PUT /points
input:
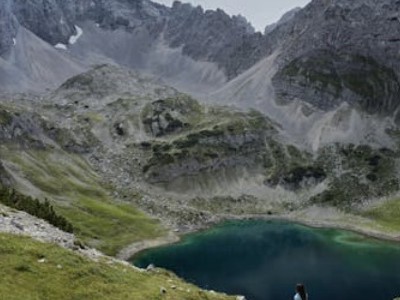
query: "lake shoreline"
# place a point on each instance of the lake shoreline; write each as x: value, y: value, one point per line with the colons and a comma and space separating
x: 176, y: 235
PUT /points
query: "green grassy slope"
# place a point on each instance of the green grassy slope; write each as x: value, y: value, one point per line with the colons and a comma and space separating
x: 65, y: 275
x: 386, y: 215
x: 78, y: 194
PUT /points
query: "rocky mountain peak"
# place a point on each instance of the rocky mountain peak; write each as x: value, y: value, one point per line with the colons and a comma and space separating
x: 284, y: 19
x: 213, y: 45
x: 206, y: 35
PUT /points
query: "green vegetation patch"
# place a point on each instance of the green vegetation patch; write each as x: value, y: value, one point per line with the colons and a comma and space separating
x: 387, y: 215
x: 290, y: 166
x: 209, y: 143
x: 364, y: 173
x: 34, y: 207
x: 109, y: 226
x: 5, y: 117
x: 77, y: 194
x: 30, y: 270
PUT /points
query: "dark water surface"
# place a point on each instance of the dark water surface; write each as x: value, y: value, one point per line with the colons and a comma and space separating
x: 264, y: 260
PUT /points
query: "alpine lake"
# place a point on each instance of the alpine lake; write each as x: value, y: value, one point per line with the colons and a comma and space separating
x: 263, y: 260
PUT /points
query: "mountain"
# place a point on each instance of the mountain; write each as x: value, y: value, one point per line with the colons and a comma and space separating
x: 347, y: 52
x: 334, y: 60
x: 134, y: 118
x: 324, y: 75
x: 191, y: 45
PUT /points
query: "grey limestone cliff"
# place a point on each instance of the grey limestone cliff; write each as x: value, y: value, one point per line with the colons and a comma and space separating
x: 337, y: 51
x: 204, y: 35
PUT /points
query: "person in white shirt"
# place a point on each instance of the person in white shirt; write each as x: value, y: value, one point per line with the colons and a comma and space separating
x: 300, y: 293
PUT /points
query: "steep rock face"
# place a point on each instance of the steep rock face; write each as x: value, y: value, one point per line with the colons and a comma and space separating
x: 210, y: 36
x: 22, y: 129
x: 213, y: 142
x: 29, y: 131
x: 366, y: 28
x: 171, y: 43
x: 130, y: 15
x: 207, y: 35
x: 8, y: 27
x: 327, y: 73
x: 204, y: 152
x: 51, y: 20
x: 326, y: 78
x: 54, y: 21
x: 354, y: 34
x: 346, y: 50
x: 284, y: 19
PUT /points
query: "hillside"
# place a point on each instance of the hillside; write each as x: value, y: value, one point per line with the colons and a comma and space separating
x: 109, y: 141
x: 47, y: 271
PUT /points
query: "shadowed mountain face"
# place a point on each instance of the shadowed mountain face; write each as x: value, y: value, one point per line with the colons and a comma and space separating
x: 343, y: 51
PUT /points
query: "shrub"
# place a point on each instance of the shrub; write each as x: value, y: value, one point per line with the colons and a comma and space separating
x: 34, y: 207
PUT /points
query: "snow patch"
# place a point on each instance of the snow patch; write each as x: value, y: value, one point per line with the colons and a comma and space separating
x: 61, y: 46
x: 74, y: 38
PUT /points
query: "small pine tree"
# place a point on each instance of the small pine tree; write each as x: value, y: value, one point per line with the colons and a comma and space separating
x: 43, y: 210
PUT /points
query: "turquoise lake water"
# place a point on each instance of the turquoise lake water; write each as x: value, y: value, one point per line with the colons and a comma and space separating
x: 264, y: 260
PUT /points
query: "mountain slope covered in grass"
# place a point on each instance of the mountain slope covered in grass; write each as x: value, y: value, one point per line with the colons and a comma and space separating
x: 34, y: 270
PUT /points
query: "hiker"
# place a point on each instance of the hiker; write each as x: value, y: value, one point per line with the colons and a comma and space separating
x: 300, y: 293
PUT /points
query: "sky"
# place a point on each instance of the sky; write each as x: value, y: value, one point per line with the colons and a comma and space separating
x: 259, y: 12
